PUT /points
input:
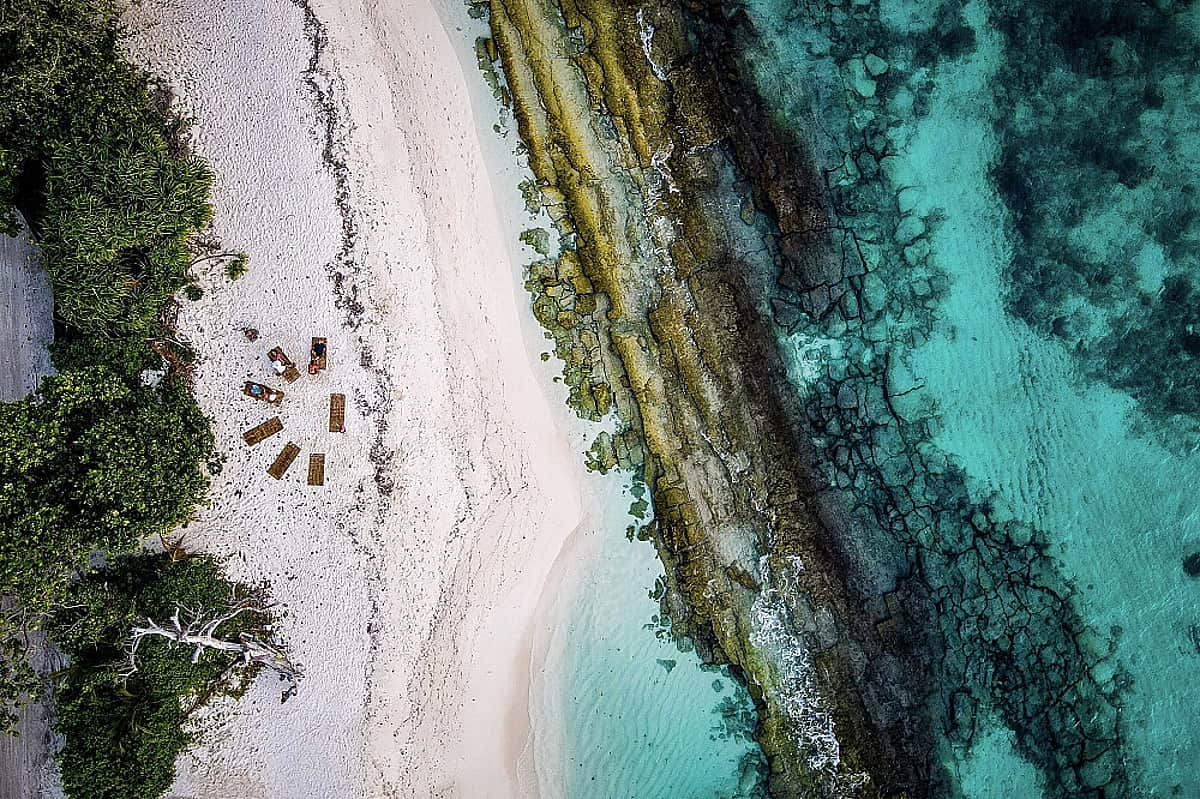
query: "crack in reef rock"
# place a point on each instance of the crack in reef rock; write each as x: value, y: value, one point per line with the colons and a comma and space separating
x: 633, y: 169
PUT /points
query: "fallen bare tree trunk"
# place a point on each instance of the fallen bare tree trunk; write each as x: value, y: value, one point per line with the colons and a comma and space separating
x: 200, y: 632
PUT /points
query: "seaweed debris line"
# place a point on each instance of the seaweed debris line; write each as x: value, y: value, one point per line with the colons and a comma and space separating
x: 344, y: 138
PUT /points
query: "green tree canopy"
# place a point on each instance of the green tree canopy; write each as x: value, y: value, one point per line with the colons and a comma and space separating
x: 89, y: 154
x: 114, y: 231
x: 91, y: 462
x: 124, y: 731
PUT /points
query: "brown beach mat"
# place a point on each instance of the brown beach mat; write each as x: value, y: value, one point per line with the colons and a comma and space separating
x: 318, y: 355
x: 337, y: 412
x: 283, y: 461
x: 290, y: 372
x: 262, y: 432
x: 316, y: 469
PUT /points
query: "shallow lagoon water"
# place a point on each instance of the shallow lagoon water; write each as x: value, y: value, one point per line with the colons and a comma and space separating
x: 1048, y: 392
x: 620, y: 711
x: 1062, y: 449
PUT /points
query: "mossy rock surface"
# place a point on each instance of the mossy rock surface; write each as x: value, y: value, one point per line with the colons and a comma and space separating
x: 653, y: 320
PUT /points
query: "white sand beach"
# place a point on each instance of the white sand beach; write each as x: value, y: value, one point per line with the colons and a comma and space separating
x: 348, y: 166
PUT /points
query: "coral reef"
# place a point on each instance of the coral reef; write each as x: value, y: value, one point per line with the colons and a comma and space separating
x: 654, y: 302
x: 812, y: 535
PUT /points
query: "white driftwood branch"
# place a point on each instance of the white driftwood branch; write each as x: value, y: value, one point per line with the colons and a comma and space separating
x: 200, y: 631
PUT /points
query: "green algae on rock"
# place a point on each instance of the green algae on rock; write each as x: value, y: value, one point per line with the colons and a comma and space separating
x: 762, y: 294
x: 619, y: 120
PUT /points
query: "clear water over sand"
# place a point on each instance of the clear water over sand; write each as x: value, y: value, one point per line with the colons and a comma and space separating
x: 620, y: 712
x: 1035, y: 260
x: 1069, y: 453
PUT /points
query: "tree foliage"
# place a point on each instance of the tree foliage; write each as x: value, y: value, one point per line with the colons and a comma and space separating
x: 89, y: 155
x: 114, y: 229
x: 124, y: 731
x: 96, y: 460
x: 89, y: 462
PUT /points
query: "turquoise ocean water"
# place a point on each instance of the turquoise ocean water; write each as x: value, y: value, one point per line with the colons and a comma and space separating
x: 1021, y: 182
x: 620, y: 711
x: 1017, y: 185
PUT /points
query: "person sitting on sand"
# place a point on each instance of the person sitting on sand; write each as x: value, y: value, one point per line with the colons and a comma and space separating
x: 315, y: 354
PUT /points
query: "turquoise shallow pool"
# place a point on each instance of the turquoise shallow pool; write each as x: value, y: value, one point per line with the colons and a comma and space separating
x: 1020, y: 180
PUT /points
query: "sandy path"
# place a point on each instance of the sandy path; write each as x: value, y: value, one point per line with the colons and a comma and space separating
x: 410, y: 580
x: 25, y: 331
x: 25, y: 318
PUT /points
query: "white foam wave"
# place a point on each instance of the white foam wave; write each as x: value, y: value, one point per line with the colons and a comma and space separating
x: 647, y: 34
x: 797, y: 692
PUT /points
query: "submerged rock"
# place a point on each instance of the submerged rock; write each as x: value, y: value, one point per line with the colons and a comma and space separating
x: 859, y: 79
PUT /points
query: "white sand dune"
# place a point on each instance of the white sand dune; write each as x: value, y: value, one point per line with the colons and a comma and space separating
x: 352, y: 174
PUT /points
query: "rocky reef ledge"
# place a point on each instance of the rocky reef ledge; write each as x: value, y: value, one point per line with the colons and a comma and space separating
x: 654, y: 305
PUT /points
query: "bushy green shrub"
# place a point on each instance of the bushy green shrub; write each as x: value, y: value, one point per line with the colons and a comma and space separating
x: 237, y: 266
x: 92, y: 462
x: 95, y: 460
x: 113, y: 232
x: 124, y: 731
x: 88, y: 155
